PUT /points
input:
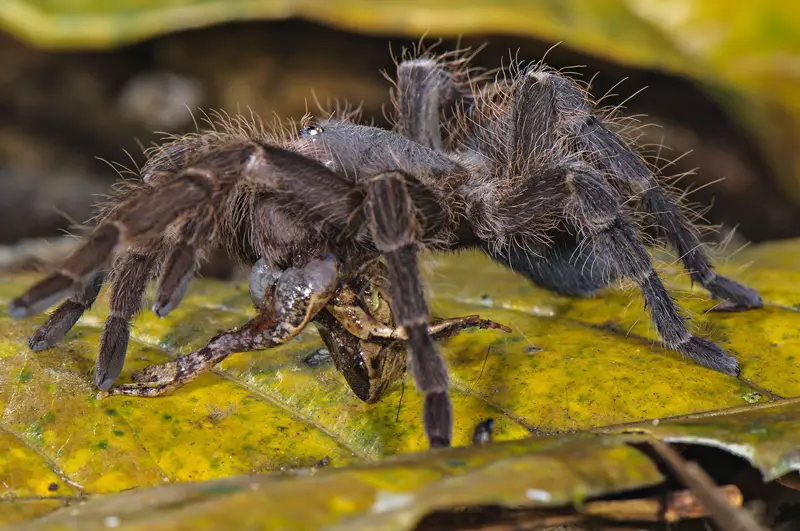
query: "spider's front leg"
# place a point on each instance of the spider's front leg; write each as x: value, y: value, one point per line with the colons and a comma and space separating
x: 170, y: 221
x: 396, y: 229
x: 291, y: 300
x: 629, y: 175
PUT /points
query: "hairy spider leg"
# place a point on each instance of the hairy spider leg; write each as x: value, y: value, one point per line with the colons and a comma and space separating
x: 181, y: 262
x: 395, y: 230
x: 541, y: 121
x: 628, y: 173
x: 177, y: 270
x: 595, y: 207
x: 134, y: 229
x: 424, y: 85
x: 63, y: 318
x: 296, y: 297
x: 565, y: 265
x: 277, y: 176
x: 424, y: 89
x: 132, y: 271
x: 131, y: 274
x: 142, y: 217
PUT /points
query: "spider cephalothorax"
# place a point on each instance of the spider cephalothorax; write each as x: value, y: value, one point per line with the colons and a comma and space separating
x: 528, y: 171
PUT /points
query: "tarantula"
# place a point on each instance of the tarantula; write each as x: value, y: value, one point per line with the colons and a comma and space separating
x: 528, y: 171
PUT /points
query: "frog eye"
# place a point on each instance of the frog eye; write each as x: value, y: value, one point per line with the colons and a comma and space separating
x: 311, y: 131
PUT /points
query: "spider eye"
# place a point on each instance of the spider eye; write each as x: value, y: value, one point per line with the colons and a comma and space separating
x: 311, y: 130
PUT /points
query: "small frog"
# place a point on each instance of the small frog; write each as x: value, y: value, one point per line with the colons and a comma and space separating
x: 352, y: 313
x: 364, y: 344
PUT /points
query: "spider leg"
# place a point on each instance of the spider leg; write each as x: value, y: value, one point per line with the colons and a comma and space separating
x: 171, y: 158
x: 630, y: 175
x: 424, y: 88
x: 179, y: 268
x: 166, y: 162
x: 393, y: 223
x: 140, y: 218
x: 594, y: 206
x: 132, y: 272
x: 181, y: 261
x: 673, y: 226
x: 65, y: 316
x: 296, y: 298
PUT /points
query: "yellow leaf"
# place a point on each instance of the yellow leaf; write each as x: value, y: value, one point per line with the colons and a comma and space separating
x: 570, y: 364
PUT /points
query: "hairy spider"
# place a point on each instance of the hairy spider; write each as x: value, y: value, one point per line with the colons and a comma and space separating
x: 528, y: 171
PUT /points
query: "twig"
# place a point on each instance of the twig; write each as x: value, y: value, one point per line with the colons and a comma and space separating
x: 702, y: 486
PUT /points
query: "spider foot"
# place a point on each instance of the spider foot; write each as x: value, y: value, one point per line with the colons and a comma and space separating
x: 736, y: 296
x: 43, y: 339
x: 708, y: 354
x: 57, y: 325
x: 437, y: 417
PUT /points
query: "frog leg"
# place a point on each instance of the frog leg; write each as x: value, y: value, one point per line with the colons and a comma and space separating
x: 370, y: 354
x: 346, y: 309
x: 290, y: 303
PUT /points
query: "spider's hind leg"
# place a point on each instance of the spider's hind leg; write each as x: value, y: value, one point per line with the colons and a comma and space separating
x: 595, y: 207
x: 628, y: 174
x: 672, y: 226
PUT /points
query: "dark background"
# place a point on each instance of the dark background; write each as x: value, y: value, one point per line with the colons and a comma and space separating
x: 65, y: 116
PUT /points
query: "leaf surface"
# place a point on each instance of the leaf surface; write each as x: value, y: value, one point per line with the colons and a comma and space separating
x: 570, y: 364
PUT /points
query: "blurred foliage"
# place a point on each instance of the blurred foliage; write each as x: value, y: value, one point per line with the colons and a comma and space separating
x: 570, y: 364
x: 745, y: 54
